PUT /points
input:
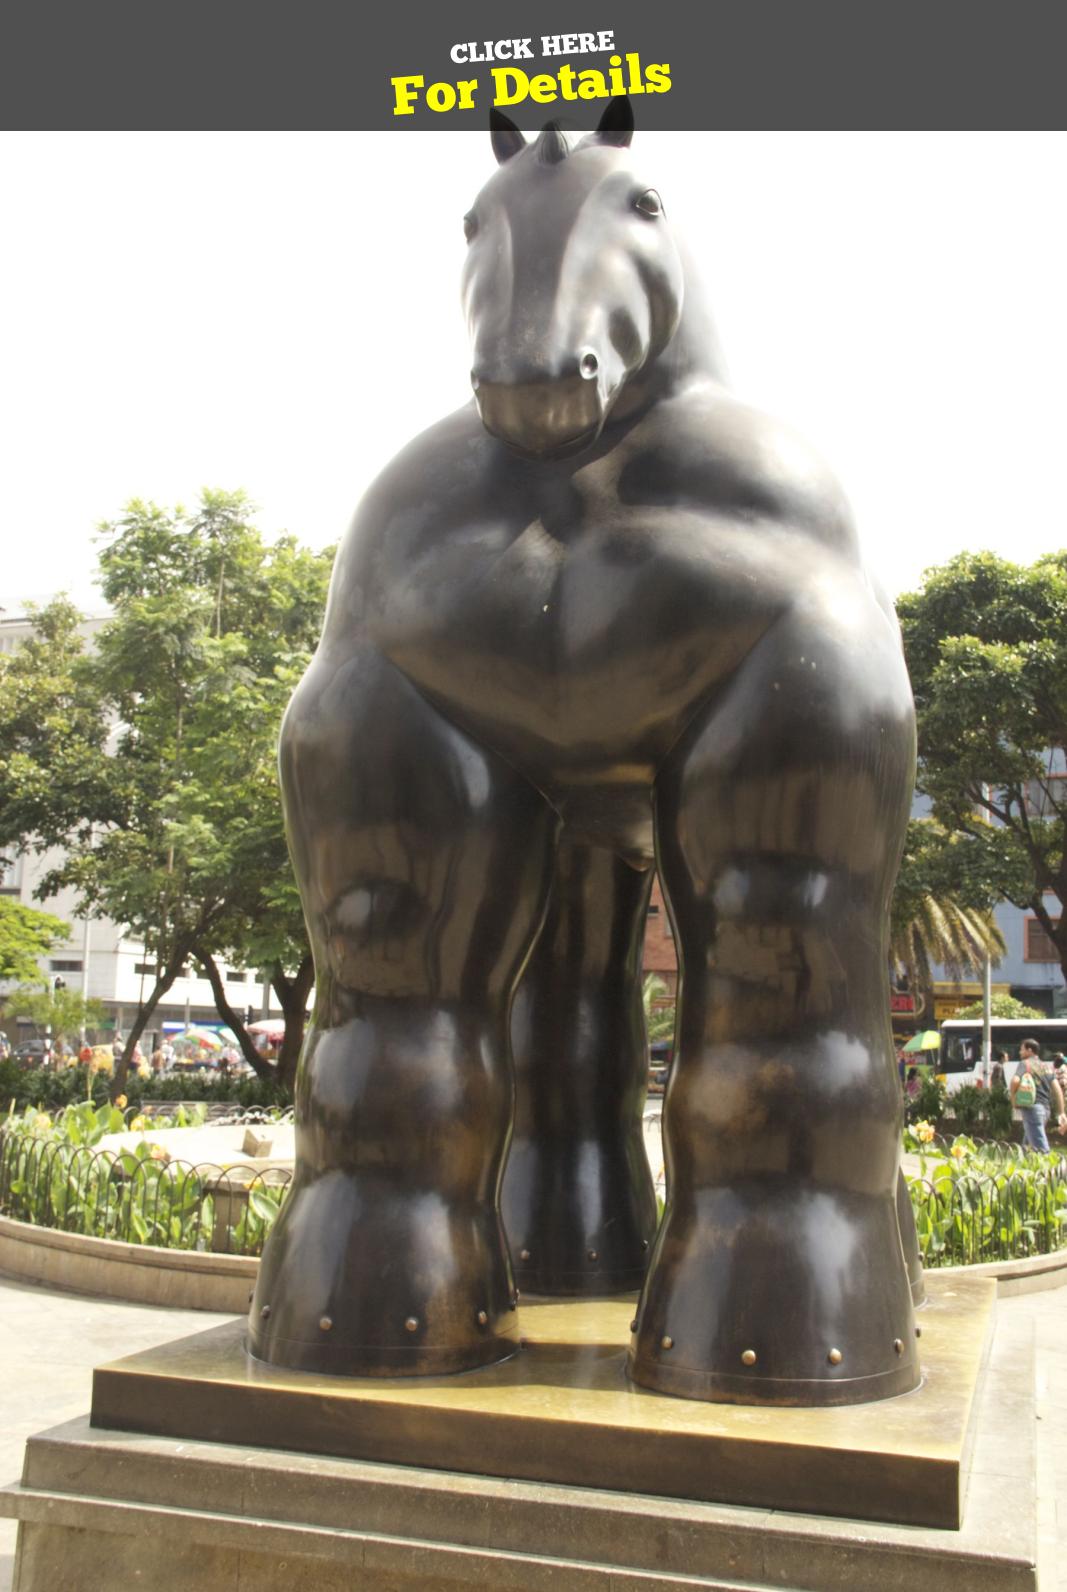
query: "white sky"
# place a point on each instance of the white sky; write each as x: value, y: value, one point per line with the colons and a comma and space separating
x: 280, y: 311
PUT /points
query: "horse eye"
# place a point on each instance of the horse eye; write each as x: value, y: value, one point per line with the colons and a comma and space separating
x: 470, y: 226
x: 650, y: 203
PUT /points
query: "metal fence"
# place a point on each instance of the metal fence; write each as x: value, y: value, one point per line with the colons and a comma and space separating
x: 141, y: 1196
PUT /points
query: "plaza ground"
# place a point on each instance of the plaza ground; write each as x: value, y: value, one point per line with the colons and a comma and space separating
x: 50, y: 1342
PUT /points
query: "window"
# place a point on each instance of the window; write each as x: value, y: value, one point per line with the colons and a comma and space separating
x: 65, y: 966
x: 653, y: 912
x: 11, y: 877
x: 233, y: 977
x: 150, y: 969
x: 1039, y: 948
x: 1046, y: 796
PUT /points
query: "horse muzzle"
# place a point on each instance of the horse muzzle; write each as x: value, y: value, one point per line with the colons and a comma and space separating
x: 542, y: 419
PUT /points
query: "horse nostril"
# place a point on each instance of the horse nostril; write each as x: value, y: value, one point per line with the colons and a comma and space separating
x: 589, y: 365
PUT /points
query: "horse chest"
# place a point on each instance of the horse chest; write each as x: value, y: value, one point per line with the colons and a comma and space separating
x: 589, y: 634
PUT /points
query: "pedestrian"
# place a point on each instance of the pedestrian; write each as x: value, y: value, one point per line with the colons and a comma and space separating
x: 1034, y: 1091
x: 997, y: 1077
x: 912, y: 1086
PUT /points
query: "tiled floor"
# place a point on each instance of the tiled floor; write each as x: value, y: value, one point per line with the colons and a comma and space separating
x: 49, y: 1343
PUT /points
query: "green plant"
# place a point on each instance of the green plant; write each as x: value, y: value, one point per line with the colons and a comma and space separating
x: 55, y: 1172
x: 968, y: 1107
x: 49, y: 1091
x: 659, y: 1015
x: 976, y: 1203
x: 929, y: 1104
x: 1004, y: 1007
x: 997, y: 1113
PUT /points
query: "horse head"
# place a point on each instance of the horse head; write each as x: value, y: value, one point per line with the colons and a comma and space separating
x: 572, y: 286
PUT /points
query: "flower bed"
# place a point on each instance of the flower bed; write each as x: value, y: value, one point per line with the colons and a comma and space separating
x: 54, y: 1173
x: 984, y: 1202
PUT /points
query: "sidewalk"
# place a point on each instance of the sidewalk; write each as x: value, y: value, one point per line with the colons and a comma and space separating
x: 49, y: 1343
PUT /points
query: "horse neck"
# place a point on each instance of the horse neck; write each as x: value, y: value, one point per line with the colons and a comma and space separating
x: 693, y: 355
x: 694, y: 352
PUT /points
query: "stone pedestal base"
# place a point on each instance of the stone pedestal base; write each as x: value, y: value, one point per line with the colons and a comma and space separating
x: 101, y: 1508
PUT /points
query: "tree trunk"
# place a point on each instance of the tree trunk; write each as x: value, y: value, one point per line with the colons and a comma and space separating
x: 164, y: 980
x: 261, y: 1068
x: 293, y: 995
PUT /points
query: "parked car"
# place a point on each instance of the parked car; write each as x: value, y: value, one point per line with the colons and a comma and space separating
x: 31, y: 1051
x: 660, y: 1054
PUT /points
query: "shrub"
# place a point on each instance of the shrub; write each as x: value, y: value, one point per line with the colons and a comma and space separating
x: 51, y: 1091
x: 968, y: 1107
x: 997, y: 1113
x: 929, y: 1104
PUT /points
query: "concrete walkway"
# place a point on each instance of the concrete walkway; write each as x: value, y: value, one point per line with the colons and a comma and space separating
x: 49, y: 1343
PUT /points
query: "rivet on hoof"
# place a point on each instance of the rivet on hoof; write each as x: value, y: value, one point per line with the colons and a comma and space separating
x: 325, y: 1323
x: 834, y: 1356
x: 898, y: 1345
x: 265, y: 1312
x: 918, y: 1332
x: 524, y: 1254
x: 483, y: 1318
x: 748, y: 1357
x: 592, y: 1254
x: 644, y: 1243
x: 411, y: 1324
x: 666, y: 1342
x: 633, y: 1324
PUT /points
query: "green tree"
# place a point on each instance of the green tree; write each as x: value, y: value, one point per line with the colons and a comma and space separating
x: 939, y: 914
x: 986, y: 644
x: 1003, y: 1007
x: 659, y: 1015
x: 25, y: 935
x: 65, y: 1011
x: 176, y: 830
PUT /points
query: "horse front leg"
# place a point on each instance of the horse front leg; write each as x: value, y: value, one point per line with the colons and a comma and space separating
x: 578, y: 1200
x: 423, y: 861
x: 778, y: 1275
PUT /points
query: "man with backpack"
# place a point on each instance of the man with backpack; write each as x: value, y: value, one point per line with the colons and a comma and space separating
x: 1034, y: 1091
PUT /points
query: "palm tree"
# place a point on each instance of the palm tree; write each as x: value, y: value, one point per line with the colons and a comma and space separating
x: 925, y: 932
x: 659, y: 1020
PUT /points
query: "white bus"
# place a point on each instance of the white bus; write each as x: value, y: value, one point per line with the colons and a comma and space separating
x: 960, y: 1058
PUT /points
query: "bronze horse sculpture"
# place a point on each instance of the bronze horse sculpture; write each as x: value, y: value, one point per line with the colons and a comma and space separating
x: 605, y: 618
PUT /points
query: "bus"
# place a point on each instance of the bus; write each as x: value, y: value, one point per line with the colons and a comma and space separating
x: 960, y: 1059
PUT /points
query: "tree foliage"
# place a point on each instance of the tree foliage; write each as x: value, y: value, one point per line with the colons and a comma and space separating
x: 171, y: 823
x: 940, y: 913
x: 986, y: 644
x: 1003, y: 1008
x: 25, y: 935
x: 65, y: 1011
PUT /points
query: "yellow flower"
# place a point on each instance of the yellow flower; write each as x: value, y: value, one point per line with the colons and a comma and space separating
x: 958, y: 1151
x: 158, y: 1152
x: 120, y: 1101
x: 924, y: 1132
x: 42, y: 1120
x: 138, y: 1124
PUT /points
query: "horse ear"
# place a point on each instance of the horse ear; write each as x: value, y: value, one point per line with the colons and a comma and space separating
x: 617, y: 123
x: 506, y: 137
